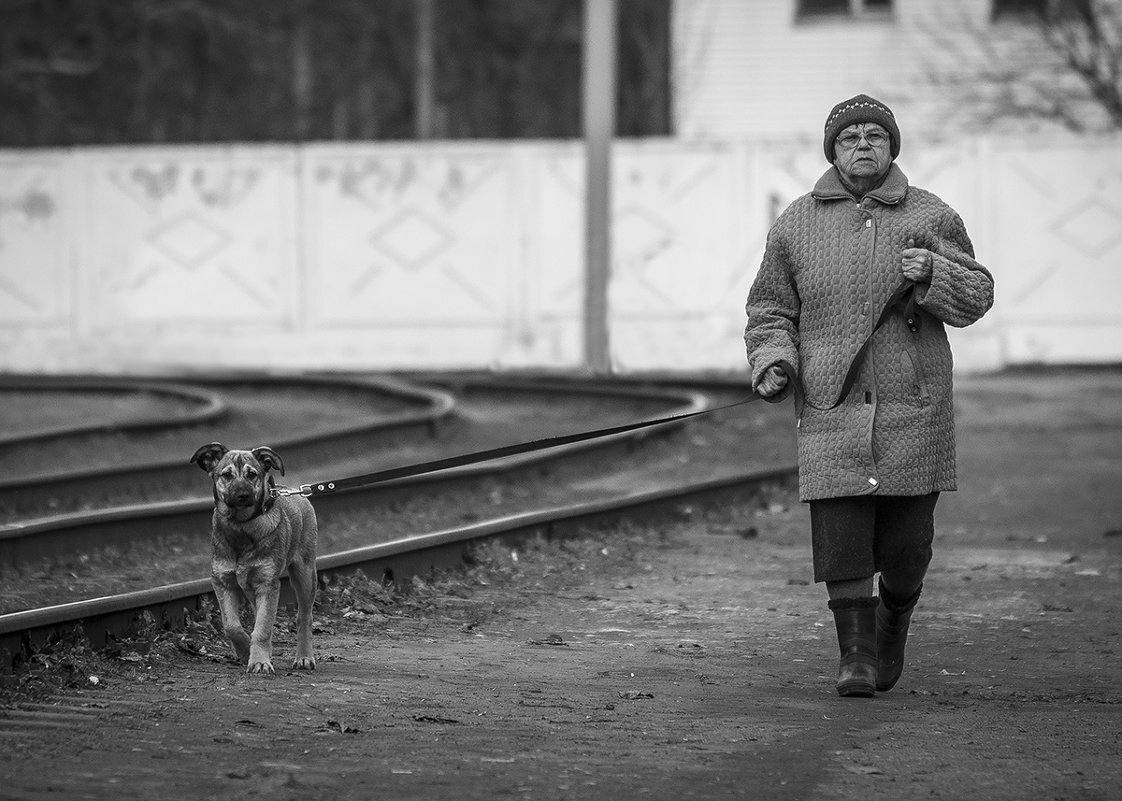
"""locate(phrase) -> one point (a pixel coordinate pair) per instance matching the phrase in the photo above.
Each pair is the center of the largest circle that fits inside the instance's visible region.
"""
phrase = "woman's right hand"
(772, 381)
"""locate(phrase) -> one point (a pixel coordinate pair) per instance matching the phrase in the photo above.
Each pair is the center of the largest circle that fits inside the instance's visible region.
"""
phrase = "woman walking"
(872, 466)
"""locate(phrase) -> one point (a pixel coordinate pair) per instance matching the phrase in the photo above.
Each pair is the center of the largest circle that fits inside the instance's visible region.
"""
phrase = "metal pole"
(600, 22)
(424, 12)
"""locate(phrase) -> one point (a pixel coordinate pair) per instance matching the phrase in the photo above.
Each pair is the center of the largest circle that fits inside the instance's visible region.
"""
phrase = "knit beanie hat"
(861, 108)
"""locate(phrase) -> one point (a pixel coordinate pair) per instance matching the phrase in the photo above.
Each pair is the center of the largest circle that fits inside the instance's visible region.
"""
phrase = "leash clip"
(303, 489)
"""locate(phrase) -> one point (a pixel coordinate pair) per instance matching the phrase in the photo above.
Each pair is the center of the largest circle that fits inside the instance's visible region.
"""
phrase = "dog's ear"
(269, 458)
(208, 456)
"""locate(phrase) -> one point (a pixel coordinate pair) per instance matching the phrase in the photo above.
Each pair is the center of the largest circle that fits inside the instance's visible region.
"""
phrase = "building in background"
(765, 68)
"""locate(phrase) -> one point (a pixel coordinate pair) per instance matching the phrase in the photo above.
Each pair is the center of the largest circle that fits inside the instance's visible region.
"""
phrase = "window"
(1048, 9)
(1017, 8)
(817, 9)
(821, 8)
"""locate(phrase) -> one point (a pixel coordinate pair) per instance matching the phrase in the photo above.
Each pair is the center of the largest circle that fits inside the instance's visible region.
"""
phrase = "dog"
(255, 535)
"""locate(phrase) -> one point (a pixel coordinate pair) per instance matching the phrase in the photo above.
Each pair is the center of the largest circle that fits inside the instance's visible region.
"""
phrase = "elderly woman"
(872, 465)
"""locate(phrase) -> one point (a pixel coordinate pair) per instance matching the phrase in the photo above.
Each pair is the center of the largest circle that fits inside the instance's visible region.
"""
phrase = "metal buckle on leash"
(303, 489)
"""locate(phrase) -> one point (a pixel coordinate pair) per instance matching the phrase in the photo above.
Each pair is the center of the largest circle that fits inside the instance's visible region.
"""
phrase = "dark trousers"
(856, 537)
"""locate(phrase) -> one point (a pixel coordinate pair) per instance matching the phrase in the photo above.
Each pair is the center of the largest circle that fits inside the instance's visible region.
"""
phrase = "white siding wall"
(752, 68)
(745, 67)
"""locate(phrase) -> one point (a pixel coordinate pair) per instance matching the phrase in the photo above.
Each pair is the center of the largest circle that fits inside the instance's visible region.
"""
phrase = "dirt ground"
(694, 659)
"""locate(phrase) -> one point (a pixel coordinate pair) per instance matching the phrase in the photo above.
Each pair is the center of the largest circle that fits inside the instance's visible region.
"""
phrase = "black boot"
(856, 620)
(893, 618)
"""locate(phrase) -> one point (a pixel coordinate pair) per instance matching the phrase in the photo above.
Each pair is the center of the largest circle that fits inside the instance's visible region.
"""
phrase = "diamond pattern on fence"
(1059, 223)
(34, 280)
(417, 240)
(194, 237)
(187, 240)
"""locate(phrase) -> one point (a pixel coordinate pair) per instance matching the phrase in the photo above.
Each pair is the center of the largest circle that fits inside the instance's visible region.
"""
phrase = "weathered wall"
(469, 255)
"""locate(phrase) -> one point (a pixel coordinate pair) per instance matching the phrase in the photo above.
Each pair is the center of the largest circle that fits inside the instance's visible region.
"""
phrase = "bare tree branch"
(1088, 37)
(1062, 66)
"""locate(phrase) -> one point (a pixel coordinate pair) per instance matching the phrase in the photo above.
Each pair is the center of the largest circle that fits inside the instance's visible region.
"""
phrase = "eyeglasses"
(850, 140)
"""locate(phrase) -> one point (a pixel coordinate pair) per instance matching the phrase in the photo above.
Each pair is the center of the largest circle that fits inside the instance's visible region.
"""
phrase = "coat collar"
(891, 192)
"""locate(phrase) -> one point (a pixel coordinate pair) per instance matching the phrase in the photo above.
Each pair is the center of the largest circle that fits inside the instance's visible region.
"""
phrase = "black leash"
(421, 468)
(902, 299)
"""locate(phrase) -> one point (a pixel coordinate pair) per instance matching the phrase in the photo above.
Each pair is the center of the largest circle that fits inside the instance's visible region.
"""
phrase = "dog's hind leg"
(229, 596)
(302, 574)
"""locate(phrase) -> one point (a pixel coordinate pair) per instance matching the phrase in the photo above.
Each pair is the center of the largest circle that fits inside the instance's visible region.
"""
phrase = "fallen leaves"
(196, 649)
(341, 728)
(554, 640)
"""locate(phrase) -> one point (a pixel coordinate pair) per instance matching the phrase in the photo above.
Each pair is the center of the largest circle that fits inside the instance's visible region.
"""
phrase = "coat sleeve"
(772, 332)
(961, 289)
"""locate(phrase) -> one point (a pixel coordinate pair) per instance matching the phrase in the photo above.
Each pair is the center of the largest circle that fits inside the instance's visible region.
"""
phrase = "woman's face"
(863, 151)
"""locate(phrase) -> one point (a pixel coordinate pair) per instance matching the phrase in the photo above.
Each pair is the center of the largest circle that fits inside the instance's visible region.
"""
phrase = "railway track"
(119, 616)
(56, 538)
(422, 410)
(116, 616)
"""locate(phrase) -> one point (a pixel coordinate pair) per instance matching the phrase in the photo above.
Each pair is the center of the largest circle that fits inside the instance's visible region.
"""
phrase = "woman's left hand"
(917, 262)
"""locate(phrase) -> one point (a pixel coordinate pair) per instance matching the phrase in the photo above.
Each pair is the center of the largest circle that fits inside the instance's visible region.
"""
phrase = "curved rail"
(36, 492)
(209, 405)
(32, 541)
(119, 616)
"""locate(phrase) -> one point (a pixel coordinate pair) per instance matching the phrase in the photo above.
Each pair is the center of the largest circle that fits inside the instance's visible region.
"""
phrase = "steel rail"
(44, 539)
(103, 619)
(209, 405)
(36, 491)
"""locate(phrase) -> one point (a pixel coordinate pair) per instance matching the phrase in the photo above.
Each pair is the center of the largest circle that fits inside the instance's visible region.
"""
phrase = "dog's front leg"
(229, 595)
(267, 595)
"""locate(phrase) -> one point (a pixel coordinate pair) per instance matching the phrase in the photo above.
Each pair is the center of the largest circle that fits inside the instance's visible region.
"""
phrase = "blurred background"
(361, 184)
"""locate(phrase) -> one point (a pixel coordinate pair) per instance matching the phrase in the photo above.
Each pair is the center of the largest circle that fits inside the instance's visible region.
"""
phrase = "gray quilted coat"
(829, 266)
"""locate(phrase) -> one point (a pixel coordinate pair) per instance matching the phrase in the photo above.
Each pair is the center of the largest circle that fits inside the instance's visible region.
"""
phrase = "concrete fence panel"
(468, 255)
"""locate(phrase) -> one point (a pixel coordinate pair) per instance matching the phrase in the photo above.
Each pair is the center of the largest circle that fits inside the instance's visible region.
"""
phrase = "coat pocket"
(915, 382)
